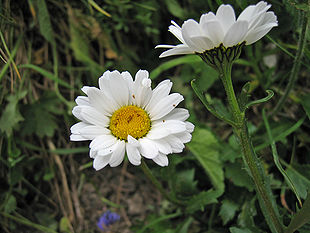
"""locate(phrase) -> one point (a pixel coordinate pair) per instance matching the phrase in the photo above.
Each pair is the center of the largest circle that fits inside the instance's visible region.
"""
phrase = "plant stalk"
(249, 156)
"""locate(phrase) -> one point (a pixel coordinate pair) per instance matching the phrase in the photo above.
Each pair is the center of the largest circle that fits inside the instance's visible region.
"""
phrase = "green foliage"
(205, 147)
(50, 49)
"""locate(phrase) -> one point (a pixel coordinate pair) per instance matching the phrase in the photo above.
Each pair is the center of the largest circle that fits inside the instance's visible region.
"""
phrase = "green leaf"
(205, 147)
(305, 102)
(64, 225)
(175, 9)
(299, 178)
(189, 59)
(239, 176)
(44, 21)
(301, 217)
(239, 230)
(184, 183)
(11, 115)
(10, 205)
(228, 210)
(199, 201)
(39, 117)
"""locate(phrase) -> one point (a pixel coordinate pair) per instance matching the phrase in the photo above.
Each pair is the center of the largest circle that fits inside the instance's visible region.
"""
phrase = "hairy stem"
(249, 156)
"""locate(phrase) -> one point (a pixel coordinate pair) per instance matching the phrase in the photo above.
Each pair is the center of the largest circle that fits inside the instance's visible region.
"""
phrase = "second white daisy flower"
(221, 28)
(127, 116)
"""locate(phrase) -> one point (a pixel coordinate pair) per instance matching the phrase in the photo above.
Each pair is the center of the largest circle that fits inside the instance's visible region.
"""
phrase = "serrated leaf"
(11, 115)
(205, 147)
(228, 210)
(199, 201)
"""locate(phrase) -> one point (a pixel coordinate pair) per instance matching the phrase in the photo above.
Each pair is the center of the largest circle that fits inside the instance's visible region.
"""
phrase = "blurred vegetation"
(50, 49)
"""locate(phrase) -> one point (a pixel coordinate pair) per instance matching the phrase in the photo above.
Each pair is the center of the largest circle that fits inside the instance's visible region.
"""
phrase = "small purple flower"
(107, 219)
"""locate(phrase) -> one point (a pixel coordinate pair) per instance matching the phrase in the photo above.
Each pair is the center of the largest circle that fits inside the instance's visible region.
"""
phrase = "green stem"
(295, 70)
(249, 156)
(155, 182)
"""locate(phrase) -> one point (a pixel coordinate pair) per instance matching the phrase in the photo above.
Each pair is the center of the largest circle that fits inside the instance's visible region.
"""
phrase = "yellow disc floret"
(130, 120)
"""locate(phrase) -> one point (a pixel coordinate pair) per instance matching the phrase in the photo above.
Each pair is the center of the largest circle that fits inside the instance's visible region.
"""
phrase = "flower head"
(221, 29)
(107, 219)
(127, 116)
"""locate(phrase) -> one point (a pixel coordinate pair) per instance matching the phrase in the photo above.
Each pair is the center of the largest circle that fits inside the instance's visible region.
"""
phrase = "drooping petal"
(101, 161)
(118, 154)
(132, 151)
(102, 141)
(177, 50)
(161, 160)
(148, 148)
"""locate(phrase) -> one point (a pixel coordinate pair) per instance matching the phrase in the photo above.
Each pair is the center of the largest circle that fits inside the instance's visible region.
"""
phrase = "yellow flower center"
(130, 120)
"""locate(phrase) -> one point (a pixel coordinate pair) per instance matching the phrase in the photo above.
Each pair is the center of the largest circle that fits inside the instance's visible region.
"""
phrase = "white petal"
(94, 117)
(77, 137)
(86, 88)
(119, 88)
(75, 129)
(207, 18)
(185, 137)
(76, 111)
(175, 143)
(163, 146)
(203, 42)
(142, 88)
(226, 15)
(92, 153)
(118, 154)
(93, 131)
(133, 154)
(101, 161)
(147, 148)
(161, 160)
(99, 100)
(236, 33)
(161, 91)
(258, 33)
(177, 50)
(191, 28)
(189, 126)
(82, 100)
(180, 114)
(103, 141)
(165, 105)
(163, 128)
(176, 31)
(215, 32)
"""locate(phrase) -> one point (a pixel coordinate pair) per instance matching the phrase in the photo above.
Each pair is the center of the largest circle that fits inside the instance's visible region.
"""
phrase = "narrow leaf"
(301, 218)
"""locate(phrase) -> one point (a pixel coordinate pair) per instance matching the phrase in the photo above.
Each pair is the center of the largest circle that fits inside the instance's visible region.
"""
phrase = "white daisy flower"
(221, 28)
(127, 116)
